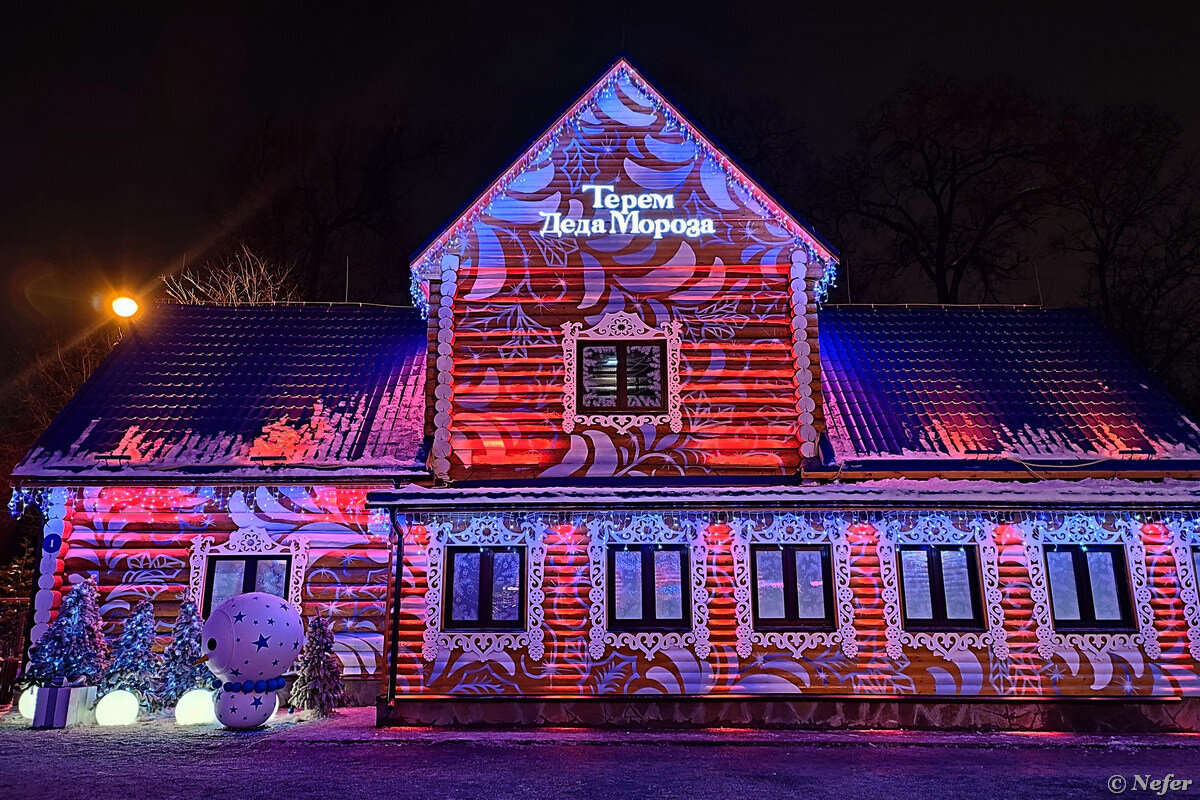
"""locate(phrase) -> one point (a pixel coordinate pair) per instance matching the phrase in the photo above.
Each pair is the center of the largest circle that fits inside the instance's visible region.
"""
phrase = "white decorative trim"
(444, 366)
(1082, 529)
(58, 508)
(622, 326)
(786, 528)
(941, 530)
(803, 365)
(1185, 536)
(249, 542)
(487, 531)
(646, 529)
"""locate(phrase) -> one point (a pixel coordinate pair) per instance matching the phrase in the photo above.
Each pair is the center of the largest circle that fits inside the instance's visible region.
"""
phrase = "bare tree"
(244, 278)
(945, 182)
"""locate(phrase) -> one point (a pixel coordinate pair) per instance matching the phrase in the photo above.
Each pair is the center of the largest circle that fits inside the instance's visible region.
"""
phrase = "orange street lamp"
(124, 307)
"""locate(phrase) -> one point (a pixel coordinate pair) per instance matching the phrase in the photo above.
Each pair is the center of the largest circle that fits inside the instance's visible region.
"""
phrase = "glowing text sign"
(625, 216)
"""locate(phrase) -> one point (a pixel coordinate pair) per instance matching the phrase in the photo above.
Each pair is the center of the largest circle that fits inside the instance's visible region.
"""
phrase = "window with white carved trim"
(939, 587)
(647, 587)
(485, 588)
(622, 376)
(1089, 587)
(233, 575)
(793, 587)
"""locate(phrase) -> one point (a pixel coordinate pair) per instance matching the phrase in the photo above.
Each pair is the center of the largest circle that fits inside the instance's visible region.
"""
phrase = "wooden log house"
(624, 466)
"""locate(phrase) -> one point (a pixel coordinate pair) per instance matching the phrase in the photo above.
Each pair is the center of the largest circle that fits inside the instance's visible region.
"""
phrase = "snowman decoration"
(250, 640)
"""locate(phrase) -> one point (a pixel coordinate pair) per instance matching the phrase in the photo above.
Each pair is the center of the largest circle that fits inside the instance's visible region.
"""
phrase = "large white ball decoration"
(120, 707)
(242, 711)
(27, 702)
(252, 637)
(196, 707)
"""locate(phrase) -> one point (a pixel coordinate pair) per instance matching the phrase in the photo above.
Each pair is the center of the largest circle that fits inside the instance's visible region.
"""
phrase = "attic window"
(622, 376)
(621, 373)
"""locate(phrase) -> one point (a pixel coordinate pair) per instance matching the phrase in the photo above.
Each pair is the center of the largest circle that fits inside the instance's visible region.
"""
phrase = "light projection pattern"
(571, 665)
(743, 299)
(139, 542)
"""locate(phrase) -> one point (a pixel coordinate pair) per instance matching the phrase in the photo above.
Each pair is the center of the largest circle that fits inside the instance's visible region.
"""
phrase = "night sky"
(120, 121)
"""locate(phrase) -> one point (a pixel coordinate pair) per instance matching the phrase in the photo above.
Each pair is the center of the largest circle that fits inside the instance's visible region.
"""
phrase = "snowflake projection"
(696, 206)
(554, 251)
(582, 156)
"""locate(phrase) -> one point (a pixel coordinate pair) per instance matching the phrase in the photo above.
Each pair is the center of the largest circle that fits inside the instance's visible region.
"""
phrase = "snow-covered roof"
(890, 493)
(1022, 384)
(268, 392)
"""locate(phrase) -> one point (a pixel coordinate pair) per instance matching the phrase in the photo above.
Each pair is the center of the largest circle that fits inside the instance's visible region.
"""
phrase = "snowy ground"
(347, 757)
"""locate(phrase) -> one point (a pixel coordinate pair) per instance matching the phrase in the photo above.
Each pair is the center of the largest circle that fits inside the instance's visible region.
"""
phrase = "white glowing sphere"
(241, 712)
(196, 707)
(124, 306)
(117, 708)
(28, 702)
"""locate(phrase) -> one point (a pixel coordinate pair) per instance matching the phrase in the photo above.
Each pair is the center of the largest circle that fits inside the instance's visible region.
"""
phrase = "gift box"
(63, 706)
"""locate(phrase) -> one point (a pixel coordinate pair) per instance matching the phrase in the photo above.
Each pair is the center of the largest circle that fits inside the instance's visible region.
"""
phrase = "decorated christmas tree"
(318, 687)
(135, 666)
(180, 672)
(73, 647)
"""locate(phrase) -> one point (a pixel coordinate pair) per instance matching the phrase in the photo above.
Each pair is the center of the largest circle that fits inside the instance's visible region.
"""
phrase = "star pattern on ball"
(256, 702)
(262, 641)
(238, 617)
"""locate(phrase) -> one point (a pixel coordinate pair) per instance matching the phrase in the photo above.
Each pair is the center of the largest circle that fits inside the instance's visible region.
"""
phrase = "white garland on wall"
(1082, 529)
(1185, 536)
(941, 530)
(252, 541)
(621, 326)
(444, 368)
(646, 529)
(788, 528)
(486, 531)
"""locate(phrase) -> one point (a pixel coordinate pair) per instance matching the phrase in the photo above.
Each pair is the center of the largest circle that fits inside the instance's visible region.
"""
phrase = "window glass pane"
(464, 606)
(599, 376)
(506, 586)
(1064, 596)
(956, 580)
(627, 584)
(810, 584)
(271, 576)
(1103, 576)
(668, 584)
(769, 567)
(643, 376)
(227, 580)
(914, 574)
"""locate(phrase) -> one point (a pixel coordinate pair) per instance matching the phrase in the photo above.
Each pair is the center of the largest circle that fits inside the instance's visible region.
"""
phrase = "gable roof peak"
(428, 262)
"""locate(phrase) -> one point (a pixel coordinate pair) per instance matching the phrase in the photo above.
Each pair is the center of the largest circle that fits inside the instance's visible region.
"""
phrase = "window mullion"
(649, 606)
(791, 599)
(622, 356)
(485, 585)
(249, 574)
(1083, 586)
(937, 585)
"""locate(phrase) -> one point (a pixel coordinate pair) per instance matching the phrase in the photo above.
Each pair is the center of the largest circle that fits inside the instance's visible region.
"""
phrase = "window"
(939, 587)
(1089, 587)
(646, 587)
(485, 588)
(234, 575)
(793, 587)
(622, 376)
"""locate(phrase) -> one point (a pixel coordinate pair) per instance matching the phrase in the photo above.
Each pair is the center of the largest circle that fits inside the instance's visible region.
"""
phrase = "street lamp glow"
(124, 306)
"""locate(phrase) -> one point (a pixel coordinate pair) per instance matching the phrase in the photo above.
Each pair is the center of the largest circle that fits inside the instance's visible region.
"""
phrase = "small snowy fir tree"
(73, 647)
(318, 687)
(135, 665)
(180, 672)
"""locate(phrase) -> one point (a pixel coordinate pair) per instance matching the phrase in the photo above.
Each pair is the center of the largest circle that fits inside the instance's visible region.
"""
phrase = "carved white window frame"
(939, 529)
(646, 529)
(486, 531)
(785, 529)
(1083, 529)
(1186, 536)
(622, 326)
(254, 541)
